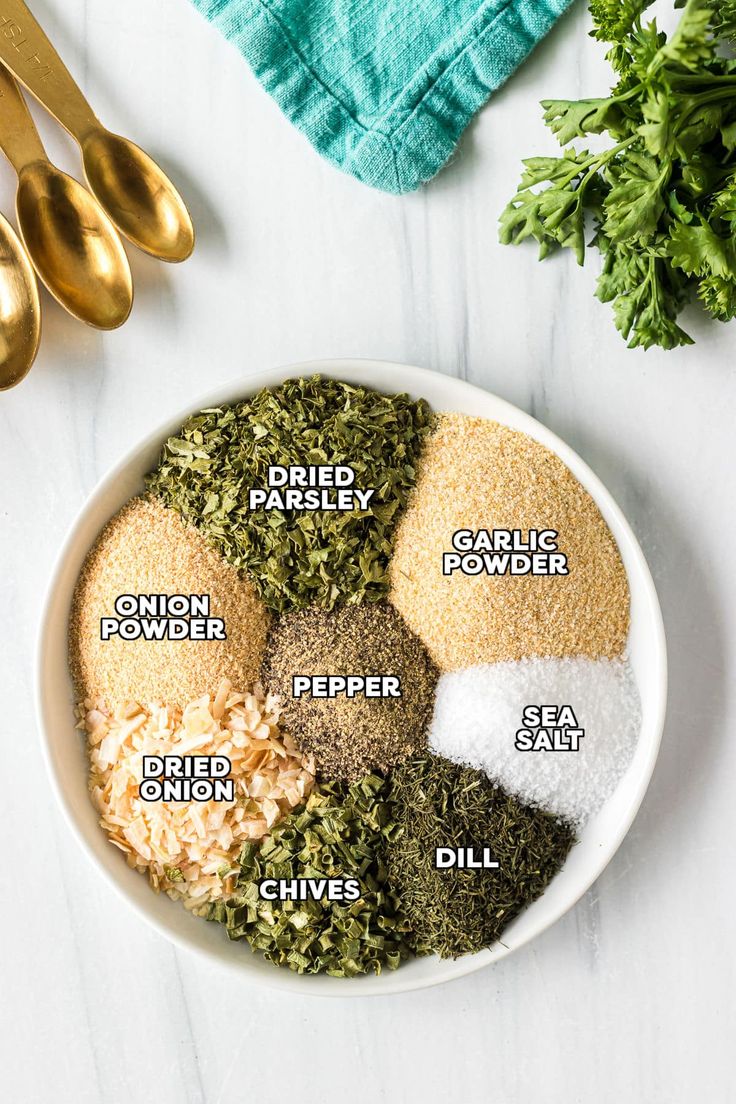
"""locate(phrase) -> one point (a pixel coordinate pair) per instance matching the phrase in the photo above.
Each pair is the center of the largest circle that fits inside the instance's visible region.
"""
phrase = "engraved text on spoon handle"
(29, 54)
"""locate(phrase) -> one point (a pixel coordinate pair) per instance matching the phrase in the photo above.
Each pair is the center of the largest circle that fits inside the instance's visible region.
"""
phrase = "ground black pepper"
(351, 737)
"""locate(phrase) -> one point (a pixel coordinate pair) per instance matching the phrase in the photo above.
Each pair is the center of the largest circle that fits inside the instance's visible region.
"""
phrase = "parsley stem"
(703, 78)
(595, 162)
(701, 101)
(601, 159)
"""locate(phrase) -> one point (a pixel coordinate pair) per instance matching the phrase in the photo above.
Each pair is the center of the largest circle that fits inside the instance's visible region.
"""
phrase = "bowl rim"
(360, 371)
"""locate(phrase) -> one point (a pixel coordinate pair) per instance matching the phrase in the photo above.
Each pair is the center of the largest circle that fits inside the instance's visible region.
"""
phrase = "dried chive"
(342, 831)
(456, 912)
(298, 558)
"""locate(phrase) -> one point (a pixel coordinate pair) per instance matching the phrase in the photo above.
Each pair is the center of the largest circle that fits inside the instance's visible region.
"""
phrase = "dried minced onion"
(189, 849)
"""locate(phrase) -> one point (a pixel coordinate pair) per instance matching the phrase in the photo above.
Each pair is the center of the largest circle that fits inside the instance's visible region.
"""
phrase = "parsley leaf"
(663, 194)
(699, 251)
(569, 119)
(636, 201)
(614, 19)
(647, 295)
(718, 296)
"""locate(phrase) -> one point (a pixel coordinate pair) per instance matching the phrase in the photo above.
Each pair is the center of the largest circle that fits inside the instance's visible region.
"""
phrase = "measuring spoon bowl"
(74, 246)
(138, 196)
(20, 309)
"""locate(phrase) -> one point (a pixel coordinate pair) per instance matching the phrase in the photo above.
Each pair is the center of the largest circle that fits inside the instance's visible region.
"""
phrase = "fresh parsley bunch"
(663, 196)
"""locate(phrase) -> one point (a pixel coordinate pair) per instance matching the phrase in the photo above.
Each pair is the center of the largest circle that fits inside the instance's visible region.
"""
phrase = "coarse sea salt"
(479, 711)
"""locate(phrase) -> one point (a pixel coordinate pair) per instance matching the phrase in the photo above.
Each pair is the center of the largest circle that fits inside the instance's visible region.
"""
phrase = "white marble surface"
(630, 997)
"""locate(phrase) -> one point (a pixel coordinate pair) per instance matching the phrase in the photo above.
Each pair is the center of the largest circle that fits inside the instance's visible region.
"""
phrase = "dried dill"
(341, 832)
(455, 912)
(298, 558)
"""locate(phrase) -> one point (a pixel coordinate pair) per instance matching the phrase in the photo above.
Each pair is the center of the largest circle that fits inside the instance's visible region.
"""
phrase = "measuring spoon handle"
(19, 138)
(29, 55)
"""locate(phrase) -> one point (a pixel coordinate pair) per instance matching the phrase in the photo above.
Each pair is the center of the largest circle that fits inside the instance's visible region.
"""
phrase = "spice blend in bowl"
(353, 735)
(189, 849)
(147, 550)
(476, 723)
(299, 557)
(477, 476)
(438, 805)
(410, 655)
(343, 831)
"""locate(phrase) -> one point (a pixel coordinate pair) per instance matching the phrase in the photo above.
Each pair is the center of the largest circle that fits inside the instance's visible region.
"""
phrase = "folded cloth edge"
(418, 133)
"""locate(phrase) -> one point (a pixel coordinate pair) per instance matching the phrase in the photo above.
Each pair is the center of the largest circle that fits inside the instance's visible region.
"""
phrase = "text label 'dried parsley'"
(298, 558)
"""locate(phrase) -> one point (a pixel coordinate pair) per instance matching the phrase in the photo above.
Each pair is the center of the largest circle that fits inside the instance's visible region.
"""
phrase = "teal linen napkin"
(383, 88)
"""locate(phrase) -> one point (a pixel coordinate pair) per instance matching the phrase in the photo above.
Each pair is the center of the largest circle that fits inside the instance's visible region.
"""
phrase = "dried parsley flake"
(298, 558)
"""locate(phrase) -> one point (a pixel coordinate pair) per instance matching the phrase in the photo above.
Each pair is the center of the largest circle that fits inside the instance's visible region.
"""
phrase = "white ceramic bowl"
(65, 756)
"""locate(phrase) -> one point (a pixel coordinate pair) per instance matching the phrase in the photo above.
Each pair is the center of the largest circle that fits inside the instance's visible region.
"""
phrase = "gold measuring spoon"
(137, 195)
(71, 241)
(20, 309)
